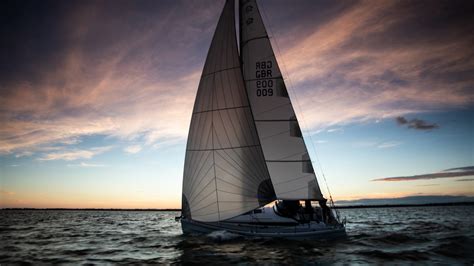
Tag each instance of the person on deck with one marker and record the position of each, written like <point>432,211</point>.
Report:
<point>308,210</point>
<point>326,211</point>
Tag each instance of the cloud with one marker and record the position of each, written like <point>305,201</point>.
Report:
<point>71,155</point>
<point>424,199</point>
<point>448,173</point>
<point>332,130</point>
<point>104,76</point>
<point>465,180</point>
<point>135,78</point>
<point>133,149</point>
<point>370,61</point>
<point>6,192</point>
<point>376,143</point>
<point>461,169</point>
<point>86,165</point>
<point>388,144</point>
<point>415,123</point>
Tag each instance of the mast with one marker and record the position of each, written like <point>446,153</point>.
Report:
<point>285,152</point>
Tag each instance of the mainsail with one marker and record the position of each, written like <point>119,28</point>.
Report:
<point>225,173</point>
<point>282,142</point>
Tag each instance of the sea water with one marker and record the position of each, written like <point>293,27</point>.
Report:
<point>413,235</point>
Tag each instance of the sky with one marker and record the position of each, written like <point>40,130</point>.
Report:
<point>96,96</point>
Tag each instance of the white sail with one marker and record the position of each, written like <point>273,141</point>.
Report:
<point>284,149</point>
<point>225,173</point>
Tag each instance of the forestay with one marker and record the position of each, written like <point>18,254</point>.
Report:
<point>284,149</point>
<point>225,173</point>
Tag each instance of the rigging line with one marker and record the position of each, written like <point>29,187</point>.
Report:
<point>299,107</point>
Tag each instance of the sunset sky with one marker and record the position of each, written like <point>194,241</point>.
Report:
<point>96,96</point>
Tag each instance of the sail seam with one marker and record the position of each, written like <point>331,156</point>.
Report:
<point>192,176</point>
<point>217,71</point>
<point>298,178</point>
<point>241,170</point>
<point>221,109</point>
<point>230,148</point>
<point>197,193</point>
<point>225,151</point>
<point>253,39</point>
<point>276,120</point>
<point>230,174</point>
<point>287,161</point>
<point>277,77</point>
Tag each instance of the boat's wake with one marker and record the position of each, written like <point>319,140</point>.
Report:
<point>223,235</point>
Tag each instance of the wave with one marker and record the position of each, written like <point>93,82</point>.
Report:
<point>221,236</point>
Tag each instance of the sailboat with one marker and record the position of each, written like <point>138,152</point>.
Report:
<point>247,169</point>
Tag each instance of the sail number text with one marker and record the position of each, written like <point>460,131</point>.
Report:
<point>264,86</point>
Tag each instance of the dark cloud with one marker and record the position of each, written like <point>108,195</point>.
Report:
<point>467,168</point>
<point>40,37</point>
<point>448,173</point>
<point>416,123</point>
<point>425,199</point>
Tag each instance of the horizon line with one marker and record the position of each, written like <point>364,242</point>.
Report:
<point>175,209</point>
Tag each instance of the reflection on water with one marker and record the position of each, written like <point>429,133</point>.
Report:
<point>399,235</point>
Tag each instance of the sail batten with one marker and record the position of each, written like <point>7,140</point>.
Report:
<point>224,165</point>
<point>285,152</point>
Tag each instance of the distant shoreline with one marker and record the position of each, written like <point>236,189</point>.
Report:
<point>164,210</point>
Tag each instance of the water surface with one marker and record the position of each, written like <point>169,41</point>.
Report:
<point>417,235</point>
